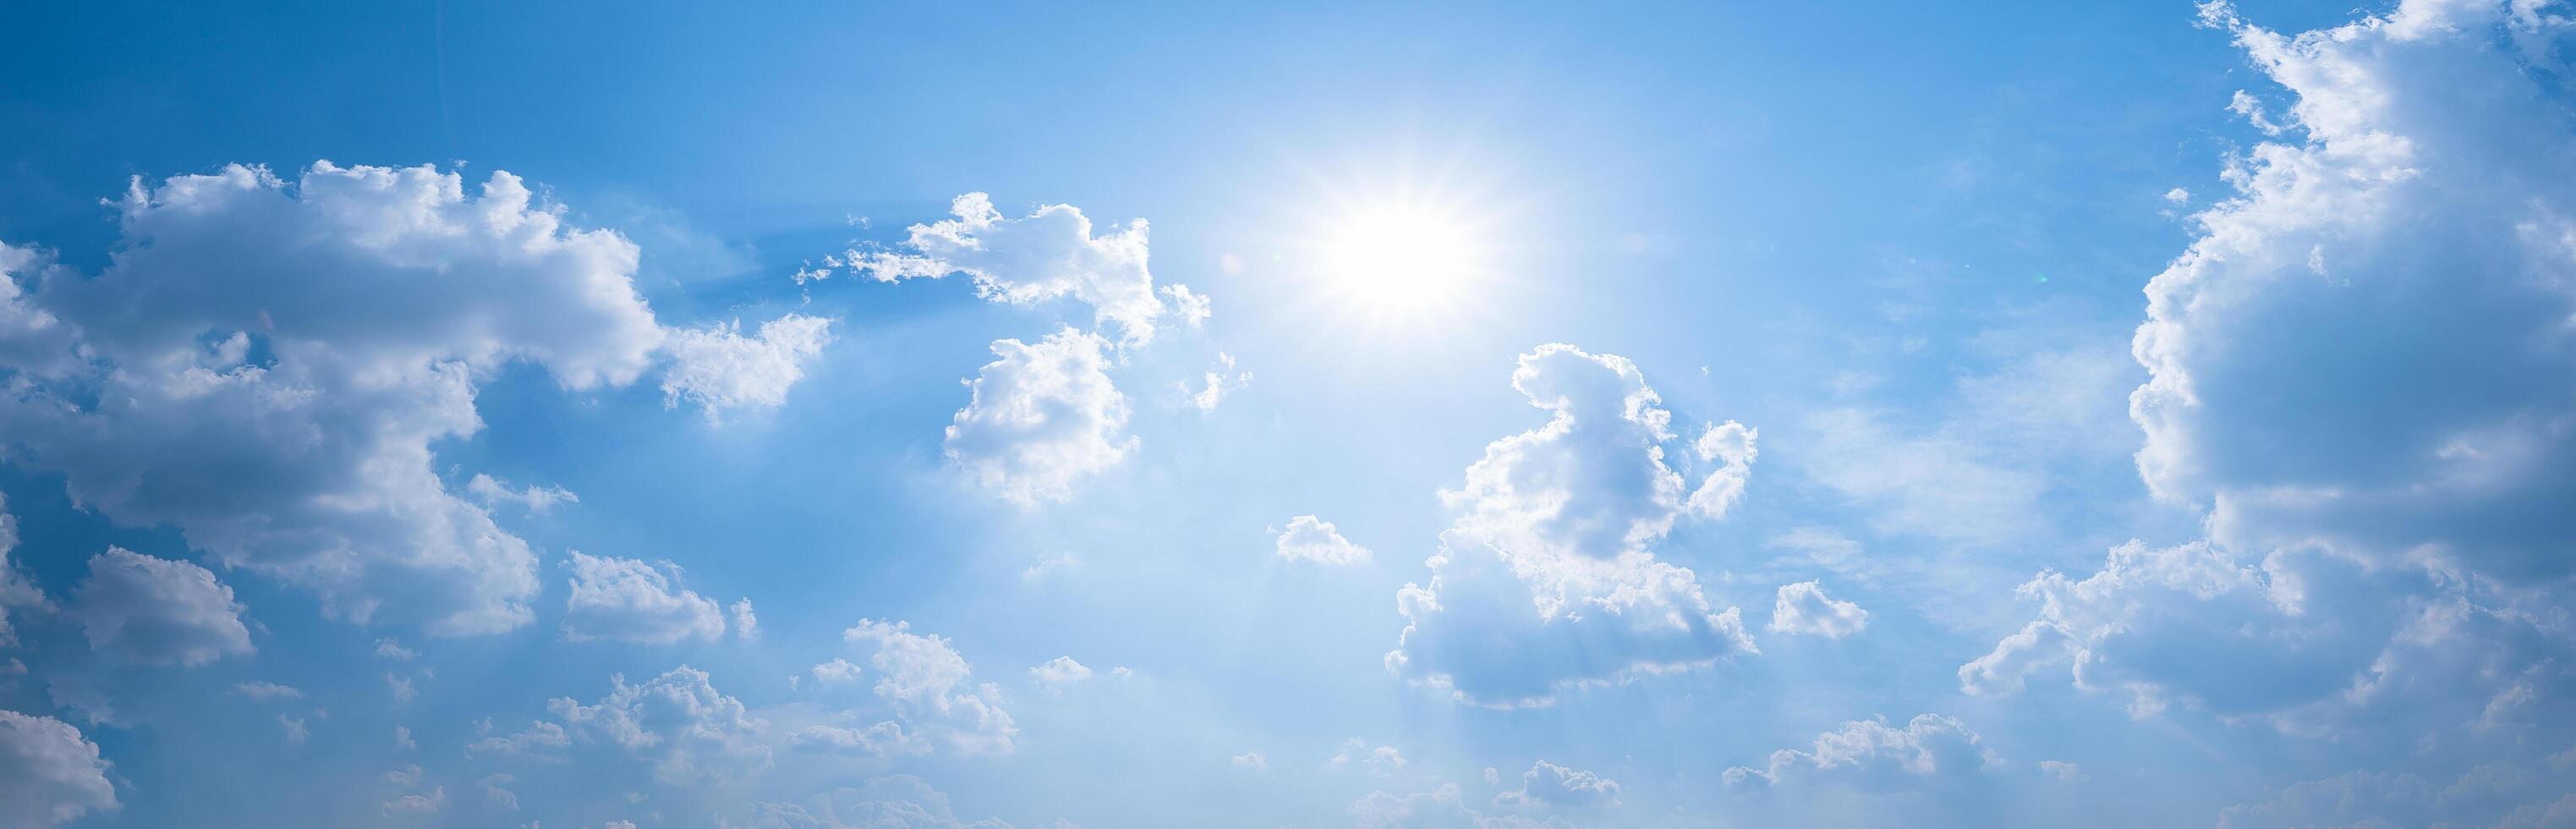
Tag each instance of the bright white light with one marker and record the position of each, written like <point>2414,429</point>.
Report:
<point>1401,257</point>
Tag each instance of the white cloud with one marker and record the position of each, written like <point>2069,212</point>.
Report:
<point>32,339</point>
<point>1936,483</point>
<point>264,691</point>
<point>746,624</point>
<point>2418,193</point>
<point>1219,384</point>
<point>1047,254</point>
<point>1355,753</point>
<point>1311,539</point>
<point>635,601</point>
<point>2385,559</point>
<point>930,684</point>
<point>391,649</point>
<point>1547,579</point>
<point>837,671</point>
<point>418,804</point>
<point>492,492</point>
<point>1043,417</point>
<point>493,790</point>
<point>720,370</point>
<point>1059,672</point>
<point>1803,608</point>
<point>1550,784</point>
<point>158,612</point>
<point>16,591</point>
<point>295,730</point>
<point>2061,770</point>
<point>1927,749</point>
<point>1251,761</point>
<point>676,724</point>
<point>271,362</point>
<point>49,772</point>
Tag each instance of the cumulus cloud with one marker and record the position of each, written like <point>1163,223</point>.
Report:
<point>2420,194</point>
<point>720,370</point>
<point>49,772</point>
<point>1311,539</point>
<point>1048,254</point>
<point>264,364</point>
<point>1927,749</point>
<point>676,724</point>
<point>635,601</point>
<point>1251,761</point>
<point>157,611</point>
<point>1803,608</point>
<point>930,686</point>
<point>1043,417</point>
<point>1547,579</point>
<point>2385,558</point>
<point>1059,672</point>
<point>1550,784</point>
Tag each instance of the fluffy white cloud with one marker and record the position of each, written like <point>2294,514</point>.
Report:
<point>636,601</point>
<point>2426,202</point>
<point>677,724</point>
<point>1311,539</point>
<point>1872,753</point>
<point>1059,672</point>
<point>1550,784</point>
<point>157,611</point>
<point>2358,368</point>
<point>1047,254</point>
<point>1803,608</point>
<point>931,686</point>
<point>1547,579</point>
<point>720,370</point>
<point>49,773</point>
<point>1251,761</point>
<point>32,340</point>
<point>265,364</point>
<point>1042,417</point>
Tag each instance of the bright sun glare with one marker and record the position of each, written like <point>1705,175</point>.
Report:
<point>1401,256</point>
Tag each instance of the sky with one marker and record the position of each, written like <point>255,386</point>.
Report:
<point>848,414</point>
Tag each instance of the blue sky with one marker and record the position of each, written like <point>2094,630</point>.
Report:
<point>849,414</point>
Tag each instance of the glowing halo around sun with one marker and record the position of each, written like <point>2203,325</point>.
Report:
<point>1404,258</point>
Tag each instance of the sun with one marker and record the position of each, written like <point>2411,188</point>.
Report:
<point>1401,256</point>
